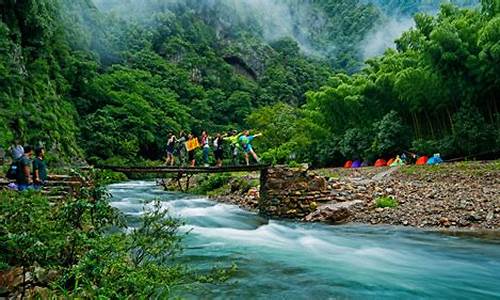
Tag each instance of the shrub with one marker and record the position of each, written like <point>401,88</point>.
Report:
<point>208,183</point>
<point>386,201</point>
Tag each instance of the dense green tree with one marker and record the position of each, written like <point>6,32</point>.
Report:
<point>438,92</point>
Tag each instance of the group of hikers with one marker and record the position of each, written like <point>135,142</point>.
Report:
<point>28,167</point>
<point>179,146</point>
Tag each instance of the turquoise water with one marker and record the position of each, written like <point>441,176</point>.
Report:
<point>286,260</point>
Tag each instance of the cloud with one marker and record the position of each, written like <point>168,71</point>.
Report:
<point>383,36</point>
<point>276,18</point>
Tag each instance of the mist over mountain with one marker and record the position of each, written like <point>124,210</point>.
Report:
<point>320,28</point>
<point>398,18</point>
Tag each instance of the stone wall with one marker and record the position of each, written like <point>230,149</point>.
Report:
<point>291,192</point>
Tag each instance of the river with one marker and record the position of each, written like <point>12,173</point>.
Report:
<point>287,260</point>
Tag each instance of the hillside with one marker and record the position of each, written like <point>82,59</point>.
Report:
<point>109,79</point>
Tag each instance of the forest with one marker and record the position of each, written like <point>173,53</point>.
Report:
<point>106,81</point>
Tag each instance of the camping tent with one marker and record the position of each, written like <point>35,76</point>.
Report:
<point>356,164</point>
<point>348,164</point>
<point>422,160</point>
<point>397,162</point>
<point>380,163</point>
<point>435,160</point>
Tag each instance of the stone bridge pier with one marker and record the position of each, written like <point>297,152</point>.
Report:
<point>291,192</point>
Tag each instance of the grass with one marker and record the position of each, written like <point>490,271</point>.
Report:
<point>386,201</point>
<point>414,169</point>
<point>468,167</point>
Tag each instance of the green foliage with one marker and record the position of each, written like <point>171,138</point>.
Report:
<point>211,182</point>
<point>28,233</point>
<point>392,137</point>
<point>425,146</point>
<point>355,142</point>
<point>471,133</point>
<point>386,201</point>
<point>241,185</point>
<point>277,123</point>
<point>138,264</point>
<point>138,111</point>
<point>106,177</point>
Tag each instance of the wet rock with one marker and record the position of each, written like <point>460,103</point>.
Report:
<point>474,217</point>
<point>444,221</point>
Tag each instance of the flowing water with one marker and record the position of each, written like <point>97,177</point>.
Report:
<point>286,260</point>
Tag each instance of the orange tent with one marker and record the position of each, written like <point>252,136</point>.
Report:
<point>390,161</point>
<point>422,160</point>
<point>348,164</point>
<point>380,163</point>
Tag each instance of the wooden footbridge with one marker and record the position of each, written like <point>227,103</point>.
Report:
<point>184,170</point>
<point>188,172</point>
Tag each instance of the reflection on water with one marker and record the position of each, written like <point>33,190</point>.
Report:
<point>285,260</point>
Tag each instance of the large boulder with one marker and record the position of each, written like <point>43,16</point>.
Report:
<point>333,213</point>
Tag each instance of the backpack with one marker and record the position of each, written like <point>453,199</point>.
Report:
<point>13,169</point>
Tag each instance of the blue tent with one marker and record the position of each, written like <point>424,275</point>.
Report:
<point>435,160</point>
<point>356,164</point>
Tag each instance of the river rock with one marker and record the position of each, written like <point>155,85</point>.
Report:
<point>11,279</point>
<point>333,213</point>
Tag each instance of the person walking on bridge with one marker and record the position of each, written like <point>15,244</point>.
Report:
<point>219,149</point>
<point>180,148</point>
<point>233,139</point>
<point>206,147</point>
<point>170,149</point>
<point>246,143</point>
<point>191,146</point>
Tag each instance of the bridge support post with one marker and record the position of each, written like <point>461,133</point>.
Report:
<point>263,184</point>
